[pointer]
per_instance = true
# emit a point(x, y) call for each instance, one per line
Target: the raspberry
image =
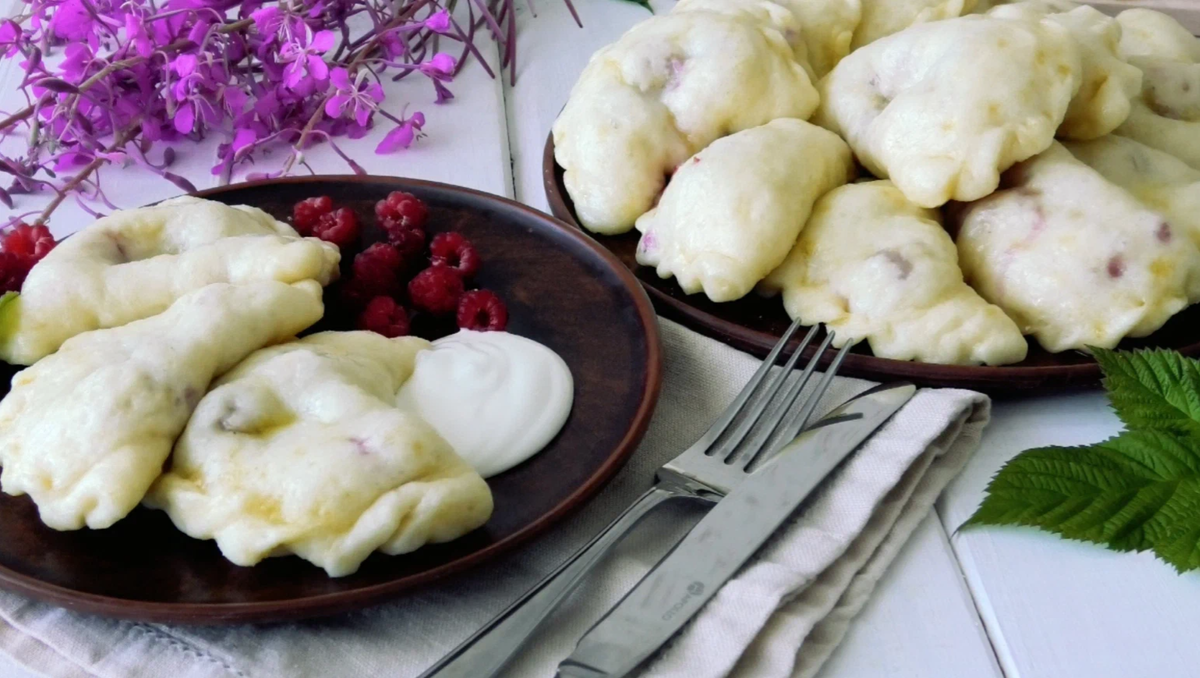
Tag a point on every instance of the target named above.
point(483, 311)
point(377, 268)
point(401, 210)
point(436, 290)
point(410, 242)
point(32, 242)
point(356, 292)
point(306, 213)
point(13, 269)
point(455, 251)
point(339, 227)
point(384, 316)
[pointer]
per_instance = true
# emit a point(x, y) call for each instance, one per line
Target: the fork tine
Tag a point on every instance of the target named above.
point(748, 391)
point(732, 443)
point(778, 414)
point(797, 423)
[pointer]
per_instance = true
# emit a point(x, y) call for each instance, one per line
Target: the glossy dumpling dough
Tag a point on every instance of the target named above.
point(301, 449)
point(1073, 258)
point(1108, 83)
point(135, 263)
point(86, 430)
point(1167, 114)
point(872, 265)
point(819, 31)
point(1160, 180)
point(670, 86)
point(942, 108)
point(881, 18)
point(733, 210)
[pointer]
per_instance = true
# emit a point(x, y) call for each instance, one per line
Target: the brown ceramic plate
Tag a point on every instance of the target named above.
point(561, 288)
point(755, 324)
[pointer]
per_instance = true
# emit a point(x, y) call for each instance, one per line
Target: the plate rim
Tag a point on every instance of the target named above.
point(294, 609)
point(996, 379)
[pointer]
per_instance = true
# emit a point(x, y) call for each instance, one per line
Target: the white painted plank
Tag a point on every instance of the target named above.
point(921, 621)
point(1057, 608)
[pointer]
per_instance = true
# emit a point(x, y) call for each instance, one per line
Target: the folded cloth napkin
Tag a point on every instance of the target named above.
point(783, 615)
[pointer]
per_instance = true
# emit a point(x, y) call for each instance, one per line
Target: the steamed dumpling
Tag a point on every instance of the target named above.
point(134, 264)
point(1167, 114)
point(1160, 180)
point(732, 211)
point(1074, 259)
point(670, 86)
point(85, 431)
point(1145, 32)
point(942, 108)
point(881, 18)
point(819, 31)
point(872, 265)
point(301, 449)
point(1108, 83)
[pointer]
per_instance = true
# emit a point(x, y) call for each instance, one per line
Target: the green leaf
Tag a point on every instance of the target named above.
point(1153, 390)
point(1138, 491)
point(642, 3)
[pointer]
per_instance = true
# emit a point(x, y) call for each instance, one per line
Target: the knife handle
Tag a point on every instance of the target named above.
point(490, 649)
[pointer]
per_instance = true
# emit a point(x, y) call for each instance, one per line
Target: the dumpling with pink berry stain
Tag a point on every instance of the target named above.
point(1073, 258)
point(669, 87)
point(302, 449)
point(733, 211)
point(134, 264)
point(872, 265)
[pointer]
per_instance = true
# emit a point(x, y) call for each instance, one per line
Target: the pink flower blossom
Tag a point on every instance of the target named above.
point(403, 135)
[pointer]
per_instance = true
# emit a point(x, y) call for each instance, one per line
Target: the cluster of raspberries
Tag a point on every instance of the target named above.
point(20, 249)
point(380, 279)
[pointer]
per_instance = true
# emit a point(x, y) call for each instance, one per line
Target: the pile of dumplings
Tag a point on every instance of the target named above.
point(164, 369)
point(939, 178)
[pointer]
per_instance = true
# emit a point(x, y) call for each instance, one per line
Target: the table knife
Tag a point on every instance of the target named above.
point(721, 543)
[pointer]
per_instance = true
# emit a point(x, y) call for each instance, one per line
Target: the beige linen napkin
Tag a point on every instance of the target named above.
point(782, 616)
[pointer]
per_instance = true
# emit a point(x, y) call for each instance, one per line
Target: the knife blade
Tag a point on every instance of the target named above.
point(720, 544)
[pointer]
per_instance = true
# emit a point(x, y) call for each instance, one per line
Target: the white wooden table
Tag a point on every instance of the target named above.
point(981, 603)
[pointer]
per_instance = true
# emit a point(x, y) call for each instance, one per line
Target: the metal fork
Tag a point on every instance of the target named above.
point(760, 421)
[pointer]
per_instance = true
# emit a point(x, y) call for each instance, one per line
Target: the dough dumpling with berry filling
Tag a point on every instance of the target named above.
point(670, 86)
point(872, 265)
point(301, 449)
point(86, 430)
point(942, 108)
point(1167, 114)
point(732, 211)
point(133, 264)
point(1160, 180)
point(1108, 83)
point(1074, 259)
point(881, 18)
point(819, 31)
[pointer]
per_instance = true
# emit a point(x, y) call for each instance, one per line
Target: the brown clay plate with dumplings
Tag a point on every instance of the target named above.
point(755, 324)
point(562, 290)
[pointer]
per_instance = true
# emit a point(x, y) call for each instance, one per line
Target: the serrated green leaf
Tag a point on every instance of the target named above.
point(1153, 390)
point(642, 3)
point(1138, 491)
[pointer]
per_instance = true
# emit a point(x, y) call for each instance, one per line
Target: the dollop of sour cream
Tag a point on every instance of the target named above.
point(496, 397)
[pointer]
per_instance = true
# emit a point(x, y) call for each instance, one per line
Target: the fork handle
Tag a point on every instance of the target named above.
point(490, 649)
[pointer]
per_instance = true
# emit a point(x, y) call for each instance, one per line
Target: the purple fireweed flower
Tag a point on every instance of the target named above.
point(362, 97)
point(403, 135)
